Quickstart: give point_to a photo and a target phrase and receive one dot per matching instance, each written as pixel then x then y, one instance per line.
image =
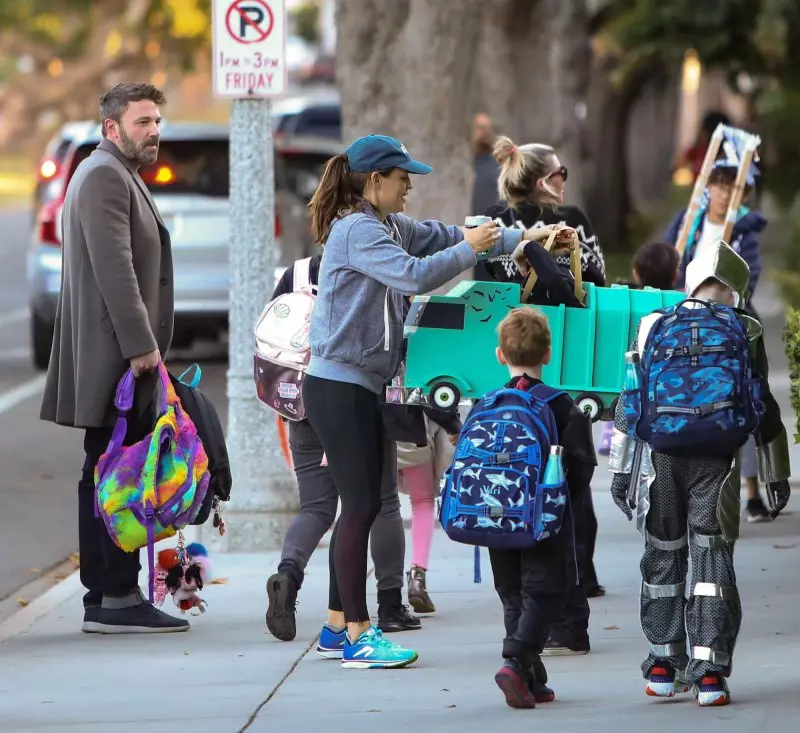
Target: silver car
pixel 189 184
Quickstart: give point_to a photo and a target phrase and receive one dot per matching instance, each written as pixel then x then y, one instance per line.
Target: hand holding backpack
pixel 148 491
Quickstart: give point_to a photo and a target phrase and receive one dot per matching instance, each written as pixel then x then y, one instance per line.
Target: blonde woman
pixel 532 182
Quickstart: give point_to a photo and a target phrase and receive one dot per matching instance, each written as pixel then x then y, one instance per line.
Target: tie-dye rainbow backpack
pixel 146 492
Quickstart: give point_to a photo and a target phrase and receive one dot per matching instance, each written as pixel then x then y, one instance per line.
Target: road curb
pixel 24 618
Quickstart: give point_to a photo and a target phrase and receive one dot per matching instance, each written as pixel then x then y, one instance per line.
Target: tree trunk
pixel 535 57
pixel 608 197
pixel 569 71
pixel 406 68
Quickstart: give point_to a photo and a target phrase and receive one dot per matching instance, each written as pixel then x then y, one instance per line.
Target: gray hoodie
pixel 367 267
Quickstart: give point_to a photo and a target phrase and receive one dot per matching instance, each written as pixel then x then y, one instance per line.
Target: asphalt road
pixel 40 463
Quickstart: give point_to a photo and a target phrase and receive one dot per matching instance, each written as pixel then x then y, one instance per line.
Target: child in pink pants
pixel 420 468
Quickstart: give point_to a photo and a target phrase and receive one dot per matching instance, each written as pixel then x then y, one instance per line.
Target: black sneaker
pixel 595 591
pixel 144 618
pixel 282 598
pixel 91 617
pixel 397 617
pixel 756 511
pixel 511 678
pixel 555 648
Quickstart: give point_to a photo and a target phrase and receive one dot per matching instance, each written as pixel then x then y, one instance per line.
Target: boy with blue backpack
pixel 507 489
pixel 695 390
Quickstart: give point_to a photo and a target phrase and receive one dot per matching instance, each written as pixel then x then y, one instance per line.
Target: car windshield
pixel 202 167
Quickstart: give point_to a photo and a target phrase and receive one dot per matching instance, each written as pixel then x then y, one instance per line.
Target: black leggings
pixel 348 422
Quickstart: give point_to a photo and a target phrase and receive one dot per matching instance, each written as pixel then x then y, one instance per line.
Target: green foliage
pixel 721 32
pixel 792 342
pixel 305 19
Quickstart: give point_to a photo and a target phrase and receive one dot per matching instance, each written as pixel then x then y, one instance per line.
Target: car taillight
pixel 278 225
pixel 47 169
pixel 49 223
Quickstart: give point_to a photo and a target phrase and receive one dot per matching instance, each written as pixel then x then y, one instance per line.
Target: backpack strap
pixel 541 392
pixel 301 275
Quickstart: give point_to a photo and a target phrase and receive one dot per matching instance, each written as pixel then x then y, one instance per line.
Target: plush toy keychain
pixel 183 572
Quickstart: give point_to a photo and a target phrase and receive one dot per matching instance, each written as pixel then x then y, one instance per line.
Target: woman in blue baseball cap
pixel 374 255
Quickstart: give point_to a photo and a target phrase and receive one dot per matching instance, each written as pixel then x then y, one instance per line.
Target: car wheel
pixel 445 396
pixel 41 341
pixel 590 404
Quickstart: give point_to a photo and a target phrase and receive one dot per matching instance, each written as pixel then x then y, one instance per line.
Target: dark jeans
pixel 105 568
pixel 532 585
pixel 318 503
pixel 348 420
pixel 571 626
pixel 585 535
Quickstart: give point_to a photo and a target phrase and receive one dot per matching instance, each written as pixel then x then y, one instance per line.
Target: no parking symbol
pixel 249 21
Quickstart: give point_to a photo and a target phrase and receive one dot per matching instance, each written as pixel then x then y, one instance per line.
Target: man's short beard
pixel 135 151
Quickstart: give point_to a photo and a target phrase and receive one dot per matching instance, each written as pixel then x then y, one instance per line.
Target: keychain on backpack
pixel 218 522
pixel 182 572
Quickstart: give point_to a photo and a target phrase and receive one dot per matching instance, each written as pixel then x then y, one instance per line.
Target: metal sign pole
pixel 264 496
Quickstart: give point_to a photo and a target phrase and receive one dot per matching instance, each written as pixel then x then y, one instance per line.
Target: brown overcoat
pixel 117 298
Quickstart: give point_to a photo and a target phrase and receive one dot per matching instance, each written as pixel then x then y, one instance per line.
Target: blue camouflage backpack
pixel 493 494
pixel 699 395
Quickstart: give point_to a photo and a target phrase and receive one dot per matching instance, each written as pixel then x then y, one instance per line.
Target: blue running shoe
pixel 372 651
pixel 331 643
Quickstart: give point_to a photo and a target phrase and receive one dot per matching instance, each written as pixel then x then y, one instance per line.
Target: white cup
pixel 471 222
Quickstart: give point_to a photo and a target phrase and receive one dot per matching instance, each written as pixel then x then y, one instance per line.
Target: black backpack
pixel 206 419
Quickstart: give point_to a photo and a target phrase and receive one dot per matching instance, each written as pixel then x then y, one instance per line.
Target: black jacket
pixel 529 216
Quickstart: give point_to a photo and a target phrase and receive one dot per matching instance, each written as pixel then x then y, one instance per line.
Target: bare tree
pixel 407 68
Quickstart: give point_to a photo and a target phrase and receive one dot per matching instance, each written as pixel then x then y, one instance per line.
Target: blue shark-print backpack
pixel 493 494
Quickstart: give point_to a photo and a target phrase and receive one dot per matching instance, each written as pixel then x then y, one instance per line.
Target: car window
pixel 57 150
pixel 300 171
pixel 320 121
pixel 183 167
pixel 202 167
pixel 283 123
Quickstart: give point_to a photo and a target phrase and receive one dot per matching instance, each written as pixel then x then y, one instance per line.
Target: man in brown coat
pixel 115 310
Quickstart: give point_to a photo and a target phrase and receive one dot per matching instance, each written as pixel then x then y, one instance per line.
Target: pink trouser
pixel 421 486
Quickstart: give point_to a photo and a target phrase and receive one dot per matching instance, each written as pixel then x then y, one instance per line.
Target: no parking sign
pixel 249 48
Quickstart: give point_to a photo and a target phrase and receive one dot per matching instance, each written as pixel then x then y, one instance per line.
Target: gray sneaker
pixel 417 591
pixel 130 615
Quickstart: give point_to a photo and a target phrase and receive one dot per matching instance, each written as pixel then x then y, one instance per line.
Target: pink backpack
pixel 282 346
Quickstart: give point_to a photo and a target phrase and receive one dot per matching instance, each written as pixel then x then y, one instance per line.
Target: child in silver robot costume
pixel 689 506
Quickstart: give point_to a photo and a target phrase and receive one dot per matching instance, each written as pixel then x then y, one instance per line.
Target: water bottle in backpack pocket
pixel 699 394
pixel 506 487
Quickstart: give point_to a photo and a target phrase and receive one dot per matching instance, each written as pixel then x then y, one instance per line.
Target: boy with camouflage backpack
pixel 695 394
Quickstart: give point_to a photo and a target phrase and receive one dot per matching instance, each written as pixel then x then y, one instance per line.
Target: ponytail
pixel 333 193
pixel 521 167
pixel 340 192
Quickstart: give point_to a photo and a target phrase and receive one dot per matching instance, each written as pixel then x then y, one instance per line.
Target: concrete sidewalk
pixel 227 674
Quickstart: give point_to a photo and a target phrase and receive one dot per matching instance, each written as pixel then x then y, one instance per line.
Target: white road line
pixel 16 396
pixel 15 316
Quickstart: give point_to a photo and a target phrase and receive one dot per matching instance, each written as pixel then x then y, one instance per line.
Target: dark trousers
pixel 532 585
pixel 318 503
pixel 571 626
pixel 348 420
pixel 105 568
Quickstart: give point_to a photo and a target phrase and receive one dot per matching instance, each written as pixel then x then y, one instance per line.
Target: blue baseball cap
pixel 378 153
